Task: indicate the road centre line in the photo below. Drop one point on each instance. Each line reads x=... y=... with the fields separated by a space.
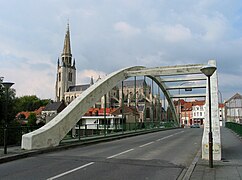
x=119 y=153
x=169 y=136
x=164 y=138
x=146 y=144
x=88 y=164
x=70 y=171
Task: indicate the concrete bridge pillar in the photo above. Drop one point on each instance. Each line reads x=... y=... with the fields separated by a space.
x=215 y=120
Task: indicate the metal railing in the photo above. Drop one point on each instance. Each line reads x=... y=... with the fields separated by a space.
x=236 y=127
x=99 y=130
x=14 y=133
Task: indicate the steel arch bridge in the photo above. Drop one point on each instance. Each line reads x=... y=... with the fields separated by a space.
x=53 y=132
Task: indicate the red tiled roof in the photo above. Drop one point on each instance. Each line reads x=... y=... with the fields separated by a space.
x=27 y=113
x=38 y=111
x=127 y=110
x=198 y=103
x=98 y=111
x=221 y=105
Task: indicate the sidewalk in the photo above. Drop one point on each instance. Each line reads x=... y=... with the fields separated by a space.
x=230 y=167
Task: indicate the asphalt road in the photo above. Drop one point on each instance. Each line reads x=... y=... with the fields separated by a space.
x=160 y=155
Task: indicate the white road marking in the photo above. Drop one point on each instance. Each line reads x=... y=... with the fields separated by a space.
x=120 y=153
x=169 y=136
x=164 y=138
x=147 y=144
x=70 y=171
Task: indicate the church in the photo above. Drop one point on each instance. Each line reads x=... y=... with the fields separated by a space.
x=137 y=93
x=66 y=88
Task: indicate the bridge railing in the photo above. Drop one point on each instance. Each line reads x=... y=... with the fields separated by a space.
x=236 y=127
x=14 y=134
x=92 y=130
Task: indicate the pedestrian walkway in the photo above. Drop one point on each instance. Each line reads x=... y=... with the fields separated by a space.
x=230 y=167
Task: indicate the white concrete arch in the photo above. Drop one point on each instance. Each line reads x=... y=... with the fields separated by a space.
x=52 y=133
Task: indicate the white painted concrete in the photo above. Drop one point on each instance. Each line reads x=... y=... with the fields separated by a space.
x=215 y=120
x=52 y=133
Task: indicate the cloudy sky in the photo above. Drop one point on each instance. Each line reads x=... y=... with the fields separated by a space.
x=107 y=35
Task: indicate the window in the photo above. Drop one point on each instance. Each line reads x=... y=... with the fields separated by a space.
x=70 y=76
x=59 y=76
x=201 y=113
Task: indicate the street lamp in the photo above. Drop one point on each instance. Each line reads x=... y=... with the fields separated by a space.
x=6 y=85
x=208 y=70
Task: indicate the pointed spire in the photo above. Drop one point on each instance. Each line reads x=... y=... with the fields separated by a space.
x=99 y=78
x=67 y=43
x=92 y=82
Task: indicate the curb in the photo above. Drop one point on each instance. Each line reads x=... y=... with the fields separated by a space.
x=186 y=174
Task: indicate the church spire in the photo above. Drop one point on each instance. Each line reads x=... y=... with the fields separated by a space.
x=67 y=43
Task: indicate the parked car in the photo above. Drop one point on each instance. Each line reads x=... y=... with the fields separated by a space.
x=195 y=126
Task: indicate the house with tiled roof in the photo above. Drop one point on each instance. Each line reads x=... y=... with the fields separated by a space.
x=23 y=116
x=233 y=108
x=52 y=109
x=198 y=112
x=130 y=114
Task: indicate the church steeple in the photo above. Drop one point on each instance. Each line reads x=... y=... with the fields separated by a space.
x=67 y=43
x=66 y=70
x=66 y=55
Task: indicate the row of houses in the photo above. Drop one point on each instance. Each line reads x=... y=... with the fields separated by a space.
x=192 y=112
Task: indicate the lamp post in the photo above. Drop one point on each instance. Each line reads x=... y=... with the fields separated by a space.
x=6 y=85
x=208 y=70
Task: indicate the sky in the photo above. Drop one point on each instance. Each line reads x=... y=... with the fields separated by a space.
x=107 y=35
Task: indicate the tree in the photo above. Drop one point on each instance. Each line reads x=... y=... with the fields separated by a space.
x=32 y=119
x=29 y=103
x=10 y=105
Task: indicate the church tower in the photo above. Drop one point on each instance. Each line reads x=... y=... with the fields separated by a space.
x=66 y=70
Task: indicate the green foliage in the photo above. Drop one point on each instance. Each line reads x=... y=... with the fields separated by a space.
x=29 y=103
x=6 y=105
x=32 y=119
x=14 y=133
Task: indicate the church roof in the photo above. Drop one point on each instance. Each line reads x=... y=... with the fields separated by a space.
x=53 y=106
x=82 y=87
x=130 y=83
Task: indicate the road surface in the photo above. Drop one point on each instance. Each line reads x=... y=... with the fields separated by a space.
x=160 y=155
